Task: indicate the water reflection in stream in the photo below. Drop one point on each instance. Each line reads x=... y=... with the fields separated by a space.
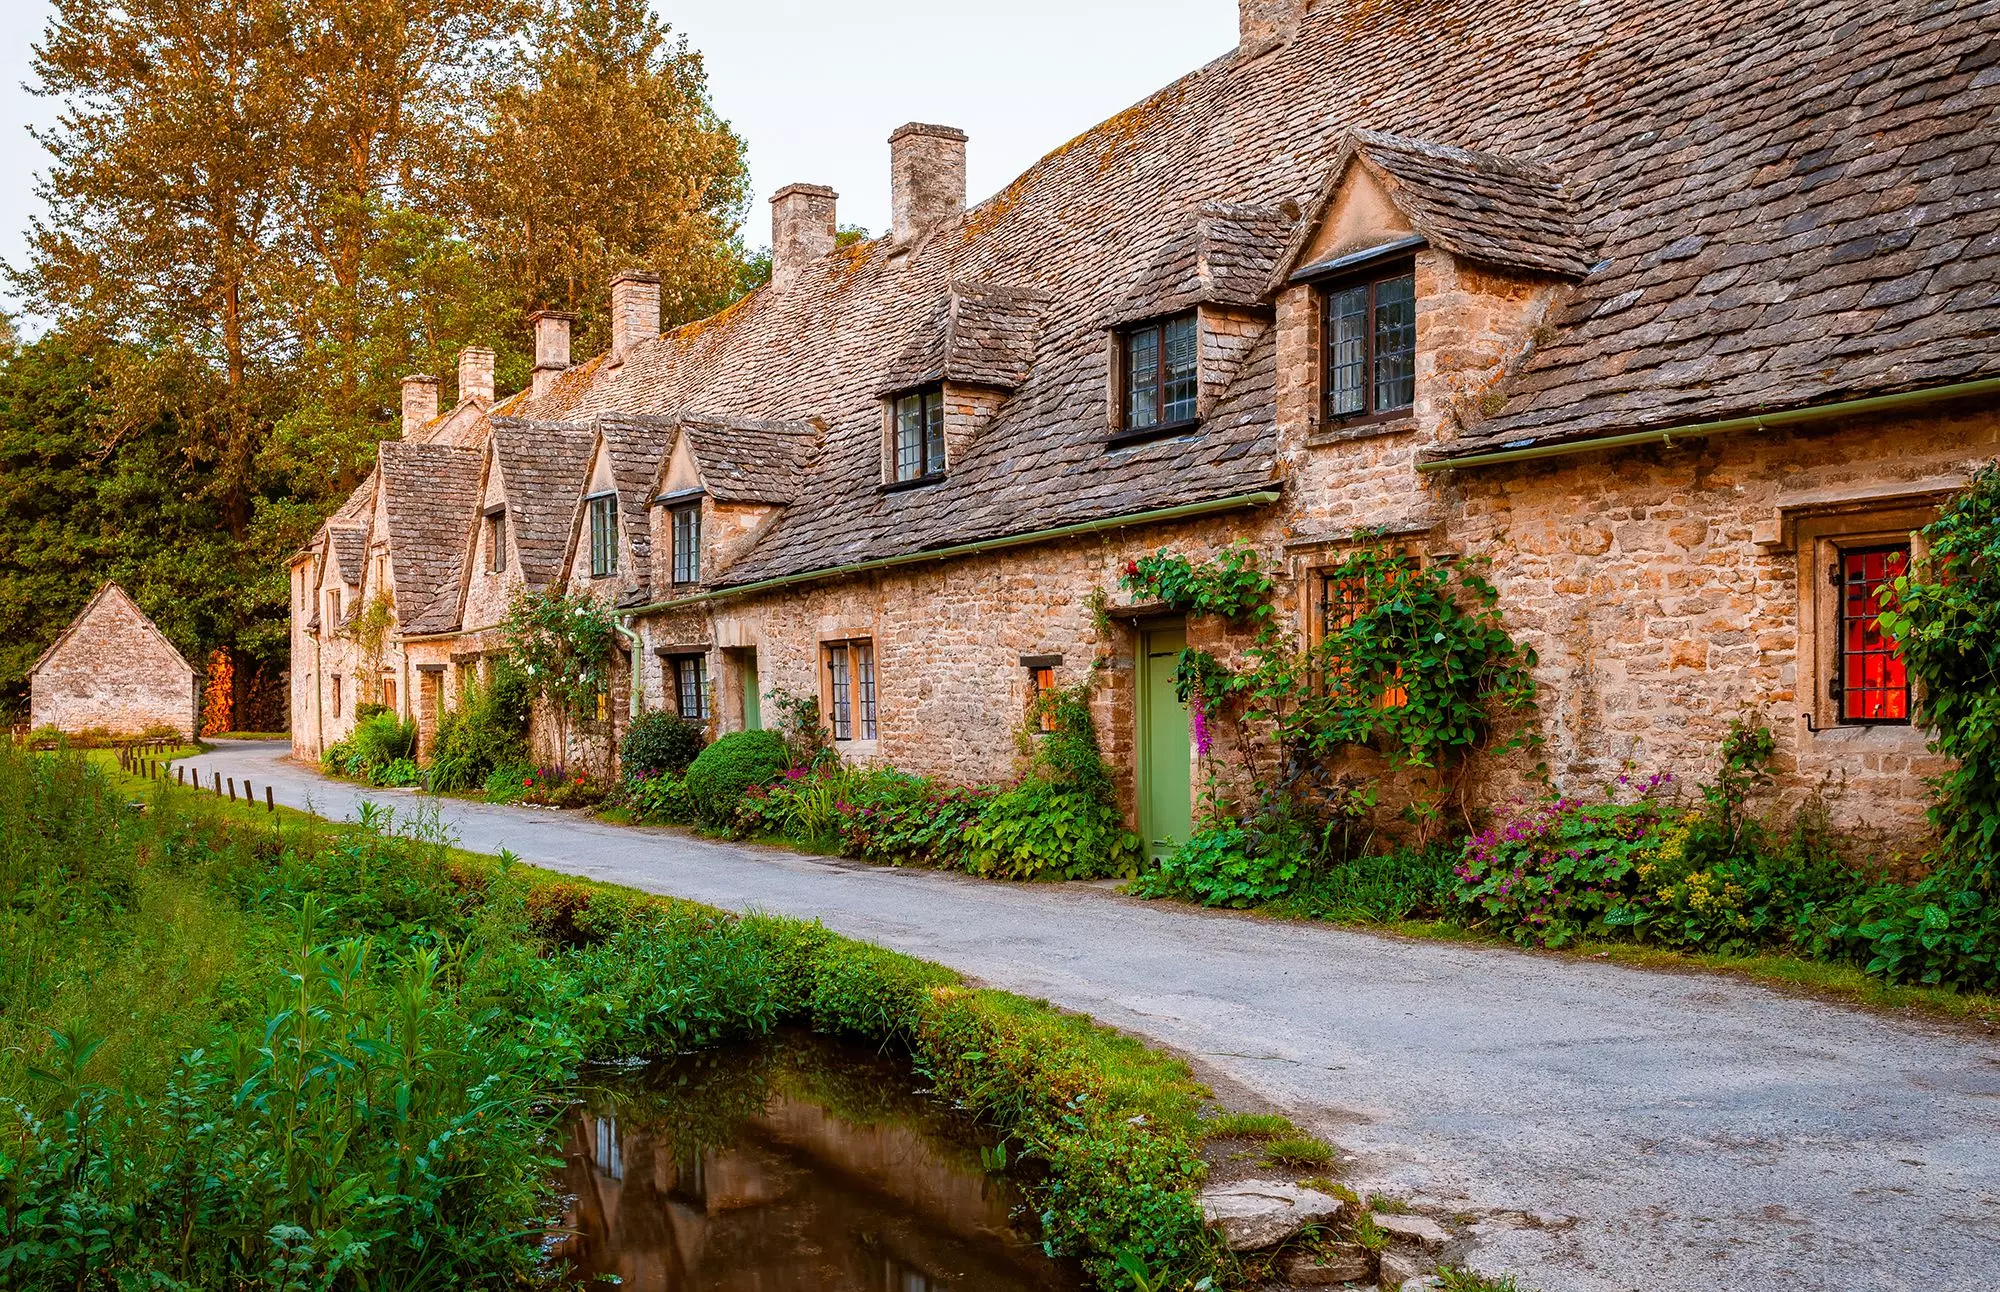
x=799 y=1164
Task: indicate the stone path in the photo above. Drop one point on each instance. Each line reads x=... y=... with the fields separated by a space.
x=1702 y=1132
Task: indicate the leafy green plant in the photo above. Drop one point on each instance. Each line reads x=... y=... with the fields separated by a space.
x=486 y=729
x=800 y=726
x=1221 y=865
x=1061 y=821
x=660 y=744
x=561 y=645
x=723 y=772
x=1232 y=584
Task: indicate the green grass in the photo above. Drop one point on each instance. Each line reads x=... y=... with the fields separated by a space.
x=1248 y=1126
x=1300 y=1151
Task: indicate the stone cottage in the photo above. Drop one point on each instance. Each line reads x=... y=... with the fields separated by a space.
x=113 y=670
x=1682 y=315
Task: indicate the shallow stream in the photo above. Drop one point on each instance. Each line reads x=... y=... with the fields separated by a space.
x=796 y=1164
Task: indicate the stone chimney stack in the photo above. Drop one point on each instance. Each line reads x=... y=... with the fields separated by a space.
x=926 y=177
x=420 y=401
x=635 y=310
x=1264 y=25
x=475 y=374
x=802 y=230
x=551 y=329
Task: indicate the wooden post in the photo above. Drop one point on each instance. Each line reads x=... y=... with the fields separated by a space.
x=270 y=805
x=180 y=774
x=218 y=784
x=232 y=789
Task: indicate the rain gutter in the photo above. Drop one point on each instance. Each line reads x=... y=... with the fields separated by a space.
x=1186 y=511
x=1727 y=426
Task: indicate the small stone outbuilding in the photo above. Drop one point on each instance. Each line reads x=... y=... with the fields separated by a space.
x=114 y=670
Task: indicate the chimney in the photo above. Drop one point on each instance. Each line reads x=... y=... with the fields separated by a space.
x=802 y=230
x=926 y=177
x=635 y=310
x=1264 y=25
x=475 y=374
x=551 y=329
x=420 y=401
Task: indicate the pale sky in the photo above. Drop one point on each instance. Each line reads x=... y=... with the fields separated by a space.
x=815 y=88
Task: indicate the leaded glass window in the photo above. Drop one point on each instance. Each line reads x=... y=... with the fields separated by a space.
x=691 y=687
x=850 y=689
x=687 y=543
x=919 y=434
x=1371 y=347
x=1162 y=373
x=603 y=535
x=1873 y=684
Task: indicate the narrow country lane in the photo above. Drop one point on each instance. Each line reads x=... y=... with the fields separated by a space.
x=1703 y=1133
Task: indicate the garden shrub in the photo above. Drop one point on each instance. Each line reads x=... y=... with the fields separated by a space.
x=1062 y=821
x=511 y=782
x=487 y=729
x=660 y=744
x=660 y=798
x=1552 y=874
x=723 y=772
x=1401 y=884
x=1220 y=865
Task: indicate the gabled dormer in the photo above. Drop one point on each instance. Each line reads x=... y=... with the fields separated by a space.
x=611 y=539
x=1414 y=283
x=974 y=350
x=720 y=487
x=533 y=475
x=1194 y=309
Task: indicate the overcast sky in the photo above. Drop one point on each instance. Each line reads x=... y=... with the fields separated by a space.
x=815 y=88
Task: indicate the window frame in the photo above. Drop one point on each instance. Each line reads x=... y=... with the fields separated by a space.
x=335 y=689
x=677 y=680
x=684 y=559
x=604 y=542
x=929 y=397
x=850 y=690
x=1372 y=280
x=1125 y=374
x=1838 y=685
x=496 y=540
x=1320 y=611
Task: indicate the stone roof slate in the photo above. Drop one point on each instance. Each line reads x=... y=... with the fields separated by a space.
x=349 y=544
x=636 y=445
x=1481 y=206
x=543 y=466
x=747 y=461
x=980 y=334
x=1787 y=202
x=110 y=591
x=433 y=499
x=1225 y=255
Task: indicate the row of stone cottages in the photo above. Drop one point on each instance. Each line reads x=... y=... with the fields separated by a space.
x=1683 y=315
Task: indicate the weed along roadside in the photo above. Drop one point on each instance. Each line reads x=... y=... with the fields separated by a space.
x=237 y=1048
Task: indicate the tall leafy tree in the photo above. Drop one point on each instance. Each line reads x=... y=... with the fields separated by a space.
x=603 y=151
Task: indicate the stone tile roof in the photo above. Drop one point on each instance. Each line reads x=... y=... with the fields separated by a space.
x=1481 y=206
x=111 y=592
x=349 y=544
x=979 y=335
x=636 y=446
x=746 y=461
x=543 y=466
x=433 y=499
x=1224 y=256
x=1788 y=202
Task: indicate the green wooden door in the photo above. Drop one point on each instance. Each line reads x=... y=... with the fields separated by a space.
x=753 y=703
x=1166 y=797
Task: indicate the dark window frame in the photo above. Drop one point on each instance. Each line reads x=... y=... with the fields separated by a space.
x=1329 y=291
x=1162 y=424
x=680 y=675
x=604 y=538
x=496 y=541
x=685 y=548
x=931 y=459
x=1848 y=662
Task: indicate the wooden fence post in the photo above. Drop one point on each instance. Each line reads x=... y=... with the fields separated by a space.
x=270 y=805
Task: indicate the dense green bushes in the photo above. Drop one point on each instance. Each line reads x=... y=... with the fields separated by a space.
x=381 y=750
x=721 y=774
x=486 y=730
x=660 y=744
x=366 y=1101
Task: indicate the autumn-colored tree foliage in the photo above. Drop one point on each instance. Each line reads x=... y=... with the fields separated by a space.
x=261 y=214
x=218 y=695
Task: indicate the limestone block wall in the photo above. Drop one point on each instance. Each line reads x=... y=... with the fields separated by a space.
x=113 y=671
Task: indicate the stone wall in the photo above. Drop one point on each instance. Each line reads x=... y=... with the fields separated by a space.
x=114 y=671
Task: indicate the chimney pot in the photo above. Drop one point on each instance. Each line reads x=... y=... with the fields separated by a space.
x=635 y=310
x=926 y=177
x=551 y=332
x=802 y=230
x=475 y=374
x=1265 y=25
x=420 y=401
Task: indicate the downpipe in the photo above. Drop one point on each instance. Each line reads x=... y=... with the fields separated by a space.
x=634 y=685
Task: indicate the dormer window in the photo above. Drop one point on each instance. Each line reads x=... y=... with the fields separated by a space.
x=687 y=542
x=496 y=541
x=1371 y=347
x=1160 y=371
x=917 y=422
x=603 y=535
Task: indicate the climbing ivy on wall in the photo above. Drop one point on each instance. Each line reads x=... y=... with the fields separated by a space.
x=562 y=645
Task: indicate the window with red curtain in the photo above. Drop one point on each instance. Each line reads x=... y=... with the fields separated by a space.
x=1873 y=684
